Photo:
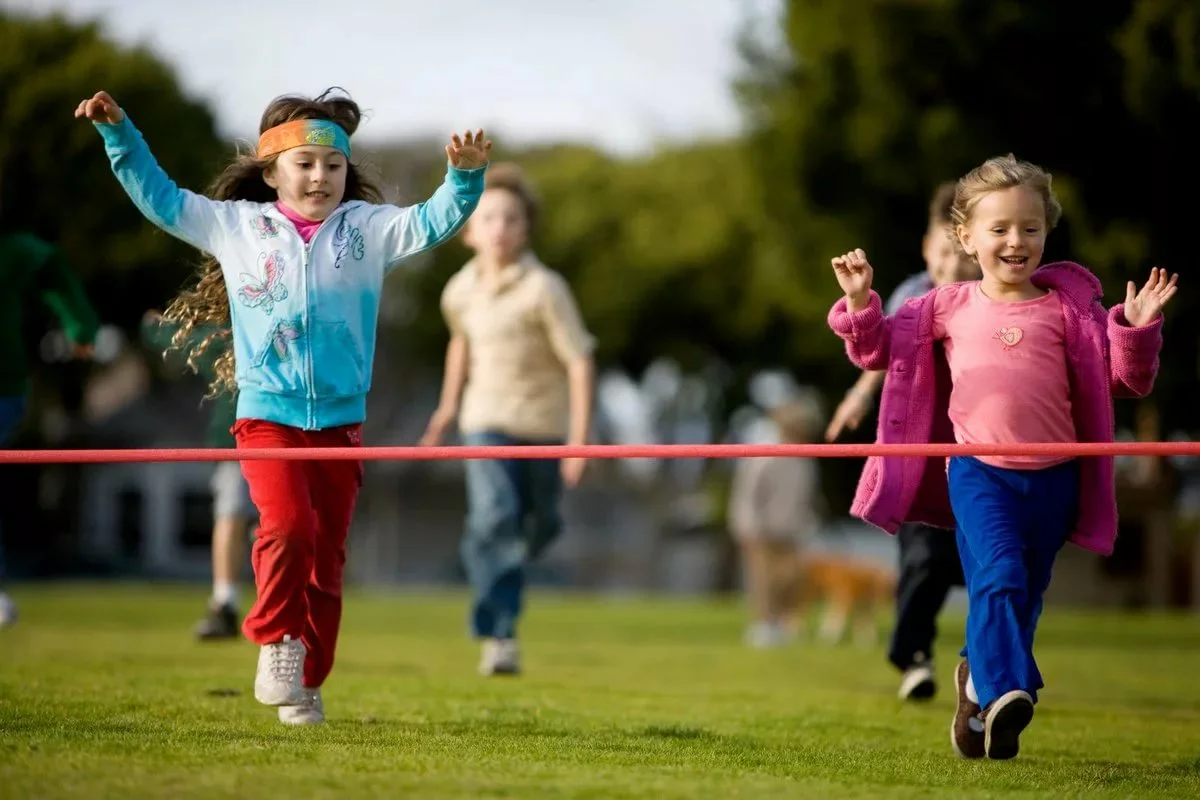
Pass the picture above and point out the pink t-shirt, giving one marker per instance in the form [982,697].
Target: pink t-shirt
[305,227]
[1008,365]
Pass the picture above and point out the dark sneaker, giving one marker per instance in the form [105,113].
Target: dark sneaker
[221,623]
[1003,723]
[967,729]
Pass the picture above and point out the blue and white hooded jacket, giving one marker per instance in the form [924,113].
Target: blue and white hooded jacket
[304,315]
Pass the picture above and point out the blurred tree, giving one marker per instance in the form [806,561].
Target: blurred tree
[54,177]
[862,107]
[55,182]
[1159,45]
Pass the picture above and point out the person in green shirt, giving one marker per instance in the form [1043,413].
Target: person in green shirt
[29,268]
[233,510]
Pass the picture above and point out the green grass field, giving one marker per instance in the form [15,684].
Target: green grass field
[103,693]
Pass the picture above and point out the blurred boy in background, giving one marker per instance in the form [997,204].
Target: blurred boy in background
[929,562]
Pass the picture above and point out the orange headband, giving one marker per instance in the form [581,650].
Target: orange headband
[301,132]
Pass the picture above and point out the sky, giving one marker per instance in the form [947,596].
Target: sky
[625,75]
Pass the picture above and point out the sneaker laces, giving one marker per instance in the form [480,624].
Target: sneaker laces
[285,661]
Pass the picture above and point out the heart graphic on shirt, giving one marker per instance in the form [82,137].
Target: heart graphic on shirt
[1011,337]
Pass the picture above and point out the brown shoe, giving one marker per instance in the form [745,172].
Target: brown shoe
[1003,723]
[967,729]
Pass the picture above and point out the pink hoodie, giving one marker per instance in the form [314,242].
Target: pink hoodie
[1106,358]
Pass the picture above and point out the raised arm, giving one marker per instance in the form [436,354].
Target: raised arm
[858,317]
[193,218]
[857,403]
[413,229]
[1133,354]
[867,333]
[1135,335]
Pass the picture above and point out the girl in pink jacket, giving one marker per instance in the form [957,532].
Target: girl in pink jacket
[1024,355]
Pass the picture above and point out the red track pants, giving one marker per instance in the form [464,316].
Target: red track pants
[299,554]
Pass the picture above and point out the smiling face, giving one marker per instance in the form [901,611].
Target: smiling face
[1006,233]
[310,180]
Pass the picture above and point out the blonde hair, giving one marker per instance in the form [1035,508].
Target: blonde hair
[996,174]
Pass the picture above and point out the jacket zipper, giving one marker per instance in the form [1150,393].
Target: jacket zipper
[311,395]
[311,399]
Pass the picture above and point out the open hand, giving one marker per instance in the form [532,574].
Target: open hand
[470,151]
[849,414]
[439,424]
[854,275]
[1141,308]
[100,108]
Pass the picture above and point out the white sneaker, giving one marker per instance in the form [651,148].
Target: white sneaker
[918,682]
[500,657]
[310,712]
[280,670]
[765,635]
[8,611]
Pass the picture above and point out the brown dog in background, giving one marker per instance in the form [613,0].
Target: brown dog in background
[853,592]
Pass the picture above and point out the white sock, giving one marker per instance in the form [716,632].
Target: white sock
[224,594]
[971,695]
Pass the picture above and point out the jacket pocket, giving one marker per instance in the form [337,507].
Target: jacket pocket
[337,360]
[278,363]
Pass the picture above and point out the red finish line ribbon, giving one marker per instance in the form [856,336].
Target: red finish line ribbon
[595,451]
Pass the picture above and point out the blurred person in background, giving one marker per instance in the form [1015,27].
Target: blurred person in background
[773,516]
[31,268]
[929,564]
[518,371]
[233,510]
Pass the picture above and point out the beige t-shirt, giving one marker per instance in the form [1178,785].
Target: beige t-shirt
[522,331]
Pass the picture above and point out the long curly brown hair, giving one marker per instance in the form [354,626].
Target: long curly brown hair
[207,303]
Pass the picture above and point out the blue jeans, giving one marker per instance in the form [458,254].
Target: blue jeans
[512,516]
[12,412]
[1011,525]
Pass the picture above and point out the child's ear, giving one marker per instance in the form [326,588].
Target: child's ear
[269,177]
[964,237]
